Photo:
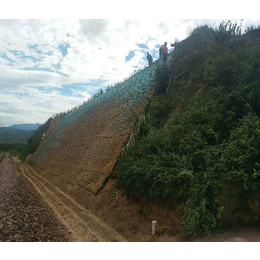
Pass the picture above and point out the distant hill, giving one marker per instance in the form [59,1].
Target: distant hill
[10,135]
[26,126]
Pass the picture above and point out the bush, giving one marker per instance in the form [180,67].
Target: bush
[199,145]
[13,149]
[240,160]
[161,79]
[34,141]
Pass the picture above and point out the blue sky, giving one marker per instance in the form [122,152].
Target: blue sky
[49,66]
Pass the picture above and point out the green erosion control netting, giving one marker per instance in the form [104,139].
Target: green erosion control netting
[129,94]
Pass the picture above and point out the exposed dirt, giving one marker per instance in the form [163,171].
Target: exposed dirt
[24,216]
[133,221]
[81,148]
[81,223]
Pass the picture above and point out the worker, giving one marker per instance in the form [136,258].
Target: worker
[174,44]
[161,51]
[149,58]
[164,51]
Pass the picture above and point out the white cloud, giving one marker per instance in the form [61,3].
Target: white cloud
[80,92]
[11,78]
[96,51]
[32,105]
[251,22]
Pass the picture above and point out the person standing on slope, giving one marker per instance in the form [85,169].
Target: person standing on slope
[161,51]
[149,58]
[164,51]
[174,44]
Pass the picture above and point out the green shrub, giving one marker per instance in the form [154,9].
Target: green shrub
[240,160]
[161,79]
[13,149]
[34,141]
[200,143]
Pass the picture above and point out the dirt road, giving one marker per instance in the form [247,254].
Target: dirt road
[81,223]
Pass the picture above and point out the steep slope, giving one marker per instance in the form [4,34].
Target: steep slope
[82,149]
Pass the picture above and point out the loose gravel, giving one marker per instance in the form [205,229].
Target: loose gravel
[24,216]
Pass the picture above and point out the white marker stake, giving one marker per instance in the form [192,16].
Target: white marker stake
[154,227]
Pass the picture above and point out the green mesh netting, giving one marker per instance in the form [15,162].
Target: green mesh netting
[132,91]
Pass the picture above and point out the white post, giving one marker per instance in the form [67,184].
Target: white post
[154,227]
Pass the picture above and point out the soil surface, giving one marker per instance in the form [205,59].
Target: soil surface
[130,219]
[81,223]
[24,216]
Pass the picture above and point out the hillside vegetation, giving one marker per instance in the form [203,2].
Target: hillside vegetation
[13,149]
[34,140]
[21,143]
[10,135]
[31,140]
[196,146]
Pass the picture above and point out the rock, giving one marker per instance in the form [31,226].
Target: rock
[238,239]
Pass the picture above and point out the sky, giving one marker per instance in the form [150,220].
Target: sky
[48,66]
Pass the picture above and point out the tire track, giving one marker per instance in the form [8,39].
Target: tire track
[93,221]
[2,157]
[62,214]
[83,225]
